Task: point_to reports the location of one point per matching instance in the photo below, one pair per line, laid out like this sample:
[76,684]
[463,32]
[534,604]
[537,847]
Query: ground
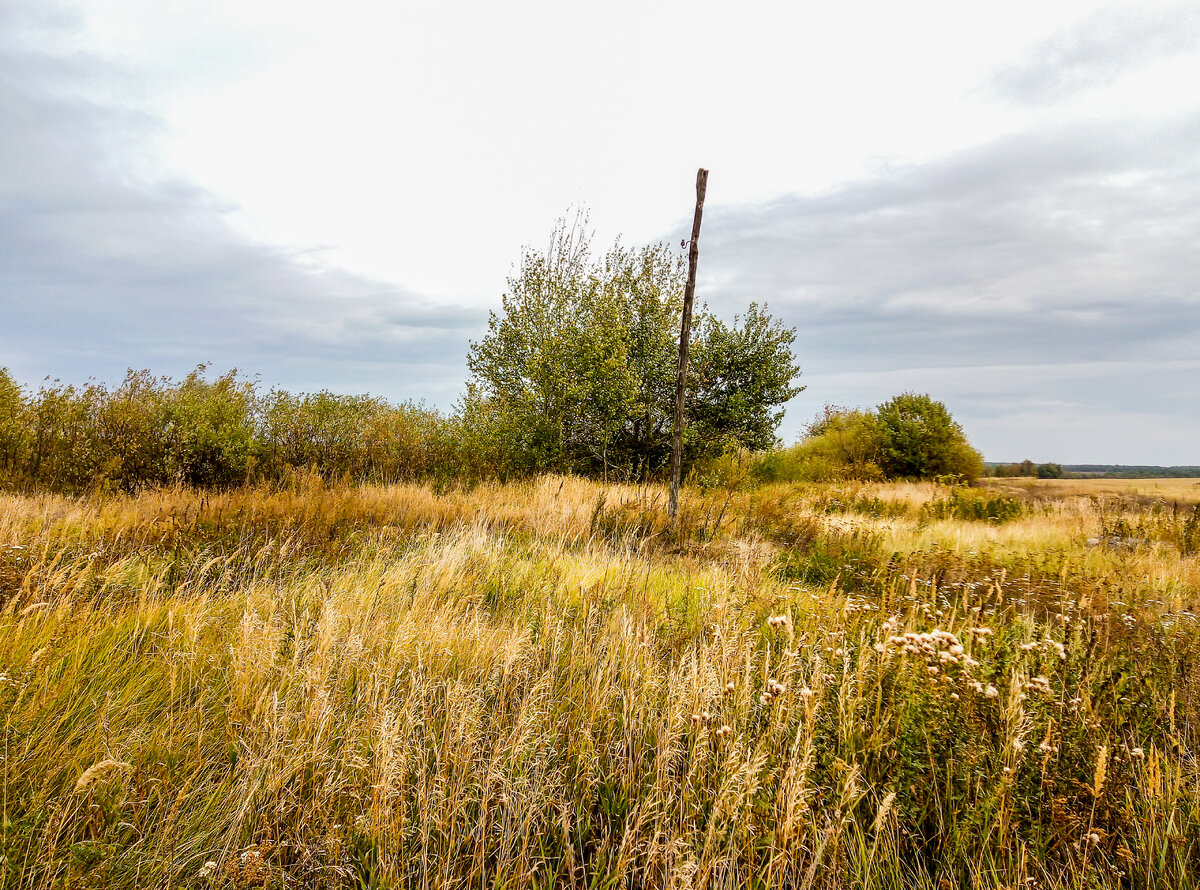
[550,684]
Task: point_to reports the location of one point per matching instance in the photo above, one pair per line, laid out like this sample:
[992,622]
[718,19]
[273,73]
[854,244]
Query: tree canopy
[918,439]
[577,370]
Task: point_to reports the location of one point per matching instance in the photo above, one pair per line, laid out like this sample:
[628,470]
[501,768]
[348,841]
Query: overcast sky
[996,204]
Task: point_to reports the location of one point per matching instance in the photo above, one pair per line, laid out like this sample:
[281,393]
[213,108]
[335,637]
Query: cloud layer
[1050,274]
[1098,51]
[1045,284]
[100,271]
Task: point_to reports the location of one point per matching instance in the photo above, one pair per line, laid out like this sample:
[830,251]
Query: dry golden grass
[1186,491]
[549,684]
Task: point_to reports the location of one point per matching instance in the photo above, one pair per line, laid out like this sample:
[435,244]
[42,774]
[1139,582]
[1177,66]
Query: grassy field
[548,684]
[1185,491]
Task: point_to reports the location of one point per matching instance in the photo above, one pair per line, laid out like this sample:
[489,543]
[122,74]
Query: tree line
[575,374]
[1026,468]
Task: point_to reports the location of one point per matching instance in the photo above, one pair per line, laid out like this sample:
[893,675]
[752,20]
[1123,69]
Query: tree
[576,372]
[739,378]
[918,439]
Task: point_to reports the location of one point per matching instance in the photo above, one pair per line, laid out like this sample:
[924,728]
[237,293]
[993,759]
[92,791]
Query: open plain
[548,684]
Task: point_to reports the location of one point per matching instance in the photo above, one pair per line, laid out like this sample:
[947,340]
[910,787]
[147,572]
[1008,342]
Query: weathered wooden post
[685,332]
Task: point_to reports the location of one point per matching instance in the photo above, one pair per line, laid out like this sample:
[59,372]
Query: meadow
[547,683]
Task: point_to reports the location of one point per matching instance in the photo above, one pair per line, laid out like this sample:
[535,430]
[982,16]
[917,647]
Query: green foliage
[215,433]
[909,437]
[209,433]
[13,423]
[975,506]
[740,376]
[577,371]
[918,439]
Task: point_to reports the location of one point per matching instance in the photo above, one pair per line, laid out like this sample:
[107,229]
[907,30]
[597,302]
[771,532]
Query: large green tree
[577,370]
[918,439]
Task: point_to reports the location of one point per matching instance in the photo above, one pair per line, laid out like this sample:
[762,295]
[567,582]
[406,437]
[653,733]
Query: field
[549,684]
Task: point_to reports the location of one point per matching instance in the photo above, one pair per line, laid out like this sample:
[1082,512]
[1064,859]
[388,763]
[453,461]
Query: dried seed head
[99,770]
[1101,770]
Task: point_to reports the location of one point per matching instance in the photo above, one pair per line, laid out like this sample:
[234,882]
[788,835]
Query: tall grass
[548,684]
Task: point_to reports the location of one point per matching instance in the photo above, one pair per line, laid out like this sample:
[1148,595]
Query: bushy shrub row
[221,431]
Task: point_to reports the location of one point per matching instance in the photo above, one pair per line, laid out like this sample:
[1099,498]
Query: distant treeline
[1088,471]
[1123,471]
[1025,468]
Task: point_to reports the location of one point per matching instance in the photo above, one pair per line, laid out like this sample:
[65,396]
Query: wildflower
[1137,753]
[991,691]
[805,692]
[207,870]
[1018,745]
[729,688]
[697,720]
[956,650]
[764,699]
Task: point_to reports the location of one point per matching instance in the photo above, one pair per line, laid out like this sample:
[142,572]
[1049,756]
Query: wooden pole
[685,333]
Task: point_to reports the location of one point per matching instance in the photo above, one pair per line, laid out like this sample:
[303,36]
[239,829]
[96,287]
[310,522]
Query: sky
[995,204]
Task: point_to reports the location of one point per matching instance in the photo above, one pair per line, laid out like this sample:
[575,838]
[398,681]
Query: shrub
[909,437]
[918,439]
[974,507]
